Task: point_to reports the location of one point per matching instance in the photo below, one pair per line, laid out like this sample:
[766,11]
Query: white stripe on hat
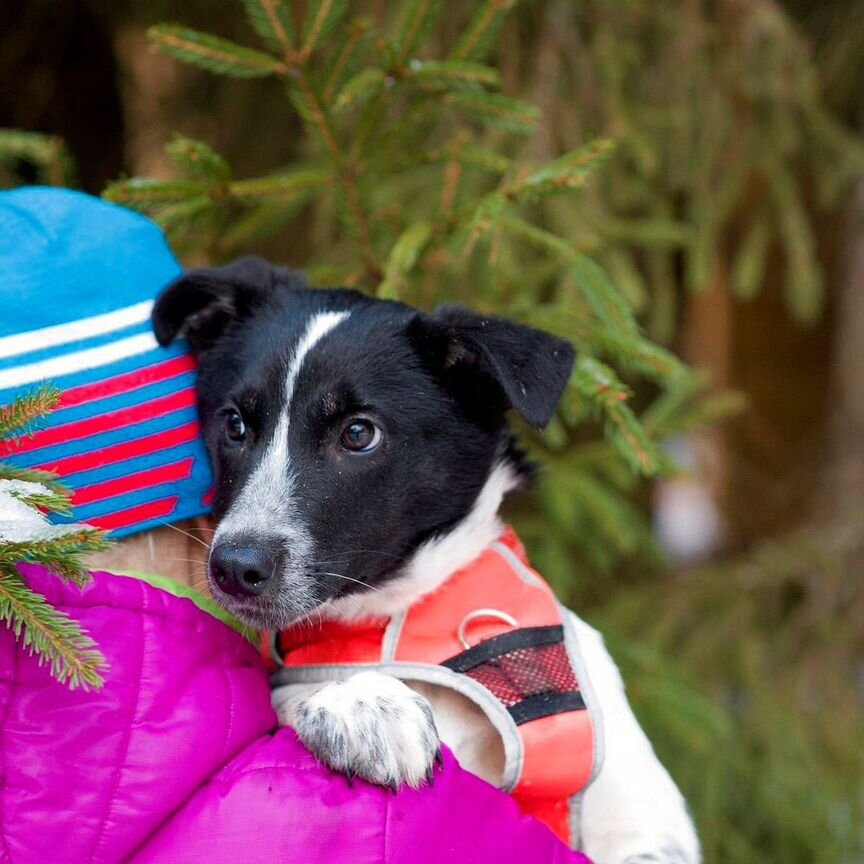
[73,331]
[78,361]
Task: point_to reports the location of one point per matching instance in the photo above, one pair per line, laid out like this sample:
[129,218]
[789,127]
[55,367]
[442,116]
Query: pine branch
[360,89]
[748,268]
[185,216]
[467,155]
[271,20]
[601,387]
[214,54]
[452,73]
[37,496]
[417,19]
[264,219]
[311,107]
[403,256]
[20,418]
[60,552]
[602,297]
[322,16]
[629,350]
[495,109]
[611,513]
[482,30]
[141,193]
[27,536]
[198,160]
[386,217]
[344,58]
[32,475]
[285,184]
[51,635]
[805,284]
[569,172]
[46,153]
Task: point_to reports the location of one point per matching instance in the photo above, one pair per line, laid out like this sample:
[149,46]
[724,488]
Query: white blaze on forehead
[265,505]
[317,328]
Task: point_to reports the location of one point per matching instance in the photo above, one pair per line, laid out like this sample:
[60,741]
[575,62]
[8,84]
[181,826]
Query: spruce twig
[27,537]
[55,638]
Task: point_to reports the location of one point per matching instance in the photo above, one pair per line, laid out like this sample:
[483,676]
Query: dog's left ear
[530,368]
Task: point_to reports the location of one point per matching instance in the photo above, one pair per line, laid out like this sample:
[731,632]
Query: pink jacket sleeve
[177,759]
[274,803]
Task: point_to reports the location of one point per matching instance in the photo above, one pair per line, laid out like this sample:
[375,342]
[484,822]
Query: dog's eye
[361,436]
[235,428]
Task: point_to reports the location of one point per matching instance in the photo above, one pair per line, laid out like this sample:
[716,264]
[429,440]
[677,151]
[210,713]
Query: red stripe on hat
[133,482]
[119,419]
[126,450]
[135,515]
[127,382]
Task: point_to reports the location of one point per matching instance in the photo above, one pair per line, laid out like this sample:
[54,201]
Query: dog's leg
[370,726]
[633,812]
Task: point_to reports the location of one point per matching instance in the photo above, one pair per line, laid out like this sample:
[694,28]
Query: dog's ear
[527,369]
[200,303]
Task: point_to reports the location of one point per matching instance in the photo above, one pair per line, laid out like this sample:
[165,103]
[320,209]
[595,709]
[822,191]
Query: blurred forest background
[653,180]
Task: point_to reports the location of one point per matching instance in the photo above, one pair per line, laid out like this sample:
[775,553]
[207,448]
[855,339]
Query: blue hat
[78,278]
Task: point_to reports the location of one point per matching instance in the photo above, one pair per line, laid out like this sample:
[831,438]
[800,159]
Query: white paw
[371,726]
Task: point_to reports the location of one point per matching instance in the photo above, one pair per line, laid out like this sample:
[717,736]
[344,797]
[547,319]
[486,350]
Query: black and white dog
[362,452]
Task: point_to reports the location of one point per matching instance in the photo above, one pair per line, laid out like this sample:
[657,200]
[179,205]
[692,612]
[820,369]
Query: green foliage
[739,683]
[44,155]
[727,154]
[421,174]
[50,634]
[213,54]
[413,177]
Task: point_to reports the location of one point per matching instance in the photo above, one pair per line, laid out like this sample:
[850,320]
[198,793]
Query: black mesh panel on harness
[527,670]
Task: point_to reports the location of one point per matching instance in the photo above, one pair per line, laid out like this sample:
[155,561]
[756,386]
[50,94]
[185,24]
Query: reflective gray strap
[441,676]
[391,637]
[523,572]
[275,654]
[571,643]
[574,819]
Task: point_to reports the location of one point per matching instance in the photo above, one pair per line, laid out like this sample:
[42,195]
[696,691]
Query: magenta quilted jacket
[176,759]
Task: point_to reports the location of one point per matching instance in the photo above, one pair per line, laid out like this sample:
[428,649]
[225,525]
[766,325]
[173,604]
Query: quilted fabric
[177,759]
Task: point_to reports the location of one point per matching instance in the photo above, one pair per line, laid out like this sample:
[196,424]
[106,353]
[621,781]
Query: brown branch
[346,171]
[269,7]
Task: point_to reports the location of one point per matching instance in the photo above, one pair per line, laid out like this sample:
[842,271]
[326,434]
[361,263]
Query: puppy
[361,452]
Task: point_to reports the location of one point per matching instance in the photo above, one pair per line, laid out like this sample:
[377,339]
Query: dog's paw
[371,726]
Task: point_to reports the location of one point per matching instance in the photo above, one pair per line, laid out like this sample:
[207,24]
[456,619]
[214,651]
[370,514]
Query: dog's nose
[242,571]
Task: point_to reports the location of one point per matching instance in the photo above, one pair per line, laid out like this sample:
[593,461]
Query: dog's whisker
[350,579]
[185,533]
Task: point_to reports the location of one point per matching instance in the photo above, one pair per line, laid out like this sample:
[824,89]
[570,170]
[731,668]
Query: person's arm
[274,802]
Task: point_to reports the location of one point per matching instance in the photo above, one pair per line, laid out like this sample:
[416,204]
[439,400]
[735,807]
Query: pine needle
[50,634]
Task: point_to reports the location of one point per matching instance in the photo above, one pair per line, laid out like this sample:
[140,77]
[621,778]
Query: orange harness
[522,666]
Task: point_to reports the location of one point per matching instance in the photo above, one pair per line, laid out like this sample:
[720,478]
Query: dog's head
[355,441]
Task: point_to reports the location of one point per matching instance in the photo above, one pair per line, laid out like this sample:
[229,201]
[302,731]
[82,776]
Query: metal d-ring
[483,613]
